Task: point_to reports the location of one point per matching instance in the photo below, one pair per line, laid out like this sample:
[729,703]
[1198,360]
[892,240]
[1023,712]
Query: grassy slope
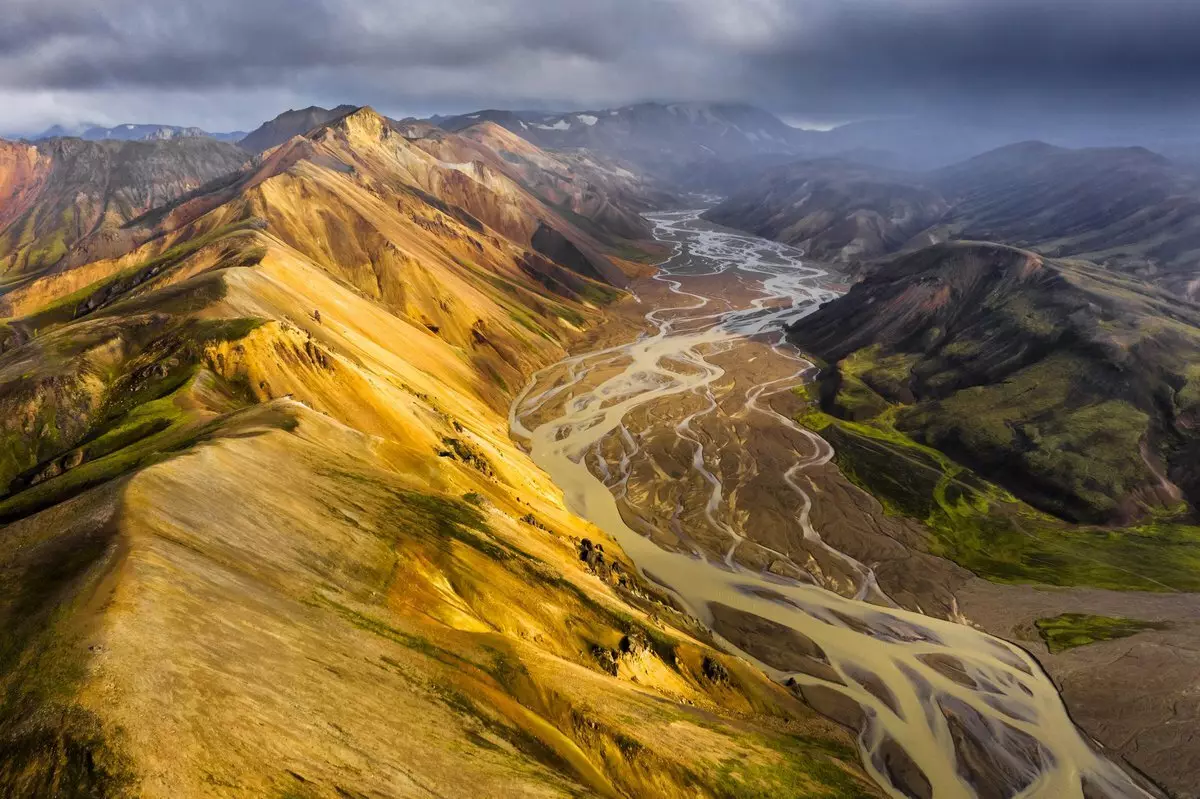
[985,528]
[1041,406]
[1072,630]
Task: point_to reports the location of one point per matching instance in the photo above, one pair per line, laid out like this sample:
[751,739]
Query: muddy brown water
[975,715]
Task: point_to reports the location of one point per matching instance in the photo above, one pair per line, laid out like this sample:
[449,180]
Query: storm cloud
[230,63]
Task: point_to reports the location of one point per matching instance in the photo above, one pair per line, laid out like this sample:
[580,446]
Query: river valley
[681,447]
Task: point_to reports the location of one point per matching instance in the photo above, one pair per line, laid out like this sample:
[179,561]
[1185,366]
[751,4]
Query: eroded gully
[996,703]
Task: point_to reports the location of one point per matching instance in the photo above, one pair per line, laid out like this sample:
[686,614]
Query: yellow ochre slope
[265,533]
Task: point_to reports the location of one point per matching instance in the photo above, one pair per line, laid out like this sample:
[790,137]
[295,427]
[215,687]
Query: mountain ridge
[62,191]
[342,323]
[663,139]
[293,122]
[134,132]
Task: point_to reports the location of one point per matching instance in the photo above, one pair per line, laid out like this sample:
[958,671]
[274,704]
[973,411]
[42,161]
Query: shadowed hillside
[288,124]
[835,210]
[1071,387]
[1127,208]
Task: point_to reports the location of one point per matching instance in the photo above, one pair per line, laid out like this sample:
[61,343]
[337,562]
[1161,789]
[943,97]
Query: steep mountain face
[834,210]
[604,192]
[57,193]
[288,124]
[479,174]
[1074,388]
[1126,207]
[662,139]
[261,464]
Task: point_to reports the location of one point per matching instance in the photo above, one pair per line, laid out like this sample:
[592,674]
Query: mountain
[1072,387]
[604,192]
[134,132]
[63,131]
[260,464]
[61,193]
[1127,208]
[922,144]
[663,139]
[288,124]
[835,210]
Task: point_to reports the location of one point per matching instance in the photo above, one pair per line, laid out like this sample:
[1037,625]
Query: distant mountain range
[1126,207]
[717,146]
[134,132]
[665,139]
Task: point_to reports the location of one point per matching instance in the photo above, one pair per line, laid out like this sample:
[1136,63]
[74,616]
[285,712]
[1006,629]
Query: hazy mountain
[134,132]
[922,143]
[58,192]
[1125,207]
[662,139]
[63,131]
[275,432]
[1076,389]
[288,124]
[835,210]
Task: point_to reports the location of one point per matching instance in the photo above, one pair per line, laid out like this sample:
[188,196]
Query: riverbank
[676,445]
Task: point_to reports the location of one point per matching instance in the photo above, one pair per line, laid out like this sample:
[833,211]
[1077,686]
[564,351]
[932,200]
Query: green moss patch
[1072,456]
[148,433]
[106,291]
[804,768]
[631,252]
[984,528]
[1072,630]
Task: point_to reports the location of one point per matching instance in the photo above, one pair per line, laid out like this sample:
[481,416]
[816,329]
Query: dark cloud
[217,62]
[1129,55]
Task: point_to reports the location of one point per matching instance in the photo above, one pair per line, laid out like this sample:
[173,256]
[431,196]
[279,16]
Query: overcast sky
[230,64]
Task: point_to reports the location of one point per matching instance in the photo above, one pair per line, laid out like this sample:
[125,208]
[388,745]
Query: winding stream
[975,715]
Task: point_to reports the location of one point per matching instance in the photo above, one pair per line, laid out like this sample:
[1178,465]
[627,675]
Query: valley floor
[720,462]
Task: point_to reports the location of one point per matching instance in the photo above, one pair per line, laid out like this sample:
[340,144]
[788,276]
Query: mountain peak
[360,123]
[292,123]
